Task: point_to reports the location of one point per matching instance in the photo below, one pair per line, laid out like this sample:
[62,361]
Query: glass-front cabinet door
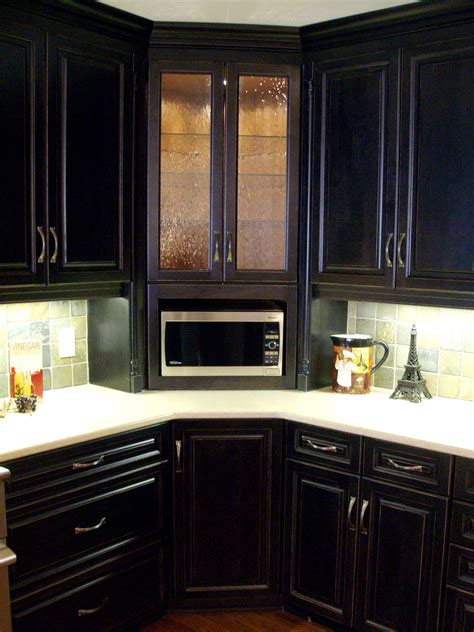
[185,182]
[261,176]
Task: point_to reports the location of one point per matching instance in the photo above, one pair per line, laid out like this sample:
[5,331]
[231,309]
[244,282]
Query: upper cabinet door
[185,171]
[262,154]
[436,235]
[355,161]
[91,162]
[22,229]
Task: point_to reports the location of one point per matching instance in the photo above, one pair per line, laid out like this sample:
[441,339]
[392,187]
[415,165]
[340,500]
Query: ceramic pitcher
[353,362]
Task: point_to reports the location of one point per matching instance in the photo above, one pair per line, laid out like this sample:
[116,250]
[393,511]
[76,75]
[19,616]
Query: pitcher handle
[384,357]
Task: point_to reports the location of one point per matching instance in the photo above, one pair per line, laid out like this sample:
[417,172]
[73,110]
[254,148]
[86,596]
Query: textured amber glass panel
[262,173]
[185,168]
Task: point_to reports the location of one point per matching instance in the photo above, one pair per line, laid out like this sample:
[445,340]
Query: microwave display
[221,343]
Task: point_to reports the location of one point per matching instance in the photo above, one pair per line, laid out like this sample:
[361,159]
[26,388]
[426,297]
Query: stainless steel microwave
[222,343]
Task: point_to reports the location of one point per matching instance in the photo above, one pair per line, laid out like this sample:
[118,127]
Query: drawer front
[340,450]
[464,479]
[462,524]
[461,567]
[69,531]
[414,467]
[459,611]
[45,477]
[101,603]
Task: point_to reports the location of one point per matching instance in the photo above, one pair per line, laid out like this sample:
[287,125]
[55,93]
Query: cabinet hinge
[134,367]
[305,364]
[310,86]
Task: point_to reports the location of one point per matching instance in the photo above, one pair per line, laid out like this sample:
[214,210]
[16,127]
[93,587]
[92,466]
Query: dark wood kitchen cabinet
[223,180]
[227,479]
[87,524]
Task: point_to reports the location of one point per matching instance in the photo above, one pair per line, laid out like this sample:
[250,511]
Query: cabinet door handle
[54,256]
[84,466]
[229,258]
[388,260]
[401,238]
[217,238]
[40,230]
[179,446]
[406,468]
[321,448]
[351,523]
[86,613]
[80,530]
[363,528]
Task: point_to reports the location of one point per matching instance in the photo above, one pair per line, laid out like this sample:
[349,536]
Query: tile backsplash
[445,344]
[21,321]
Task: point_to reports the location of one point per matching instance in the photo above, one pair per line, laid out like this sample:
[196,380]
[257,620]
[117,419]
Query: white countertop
[81,413]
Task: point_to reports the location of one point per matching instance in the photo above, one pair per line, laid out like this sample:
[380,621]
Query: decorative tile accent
[445,344]
[42,321]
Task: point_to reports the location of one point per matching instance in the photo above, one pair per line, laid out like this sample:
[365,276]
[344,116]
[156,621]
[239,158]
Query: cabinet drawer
[464,479]
[69,531]
[102,602]
[329,447]
[459,611]
[75,470]
[462,524]
[414,467]
[461,567]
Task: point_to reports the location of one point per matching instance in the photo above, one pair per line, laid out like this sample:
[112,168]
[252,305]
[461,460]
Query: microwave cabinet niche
[75,225]
[227,478]
[364,552]
[90,530]
[223,181]
[377,223]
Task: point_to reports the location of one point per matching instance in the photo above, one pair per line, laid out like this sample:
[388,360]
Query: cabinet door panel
[261,173]
[356,128]
[227,515]
[320,542]
[401,556]
[459,611]
[21,125]
[91,105]
[185,165]
[438,162]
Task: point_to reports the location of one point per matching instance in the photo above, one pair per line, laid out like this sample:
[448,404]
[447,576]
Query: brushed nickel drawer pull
[407,468]
[229,248]
[179,445]
[321,448]
[352,502]
[84,466]
[56,245]
[86,613]
[401,238]
[217,237]
[363,528]
[43,244]
[79,530]
[388,260]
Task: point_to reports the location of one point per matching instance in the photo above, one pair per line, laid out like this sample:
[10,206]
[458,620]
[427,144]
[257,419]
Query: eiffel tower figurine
[411,386]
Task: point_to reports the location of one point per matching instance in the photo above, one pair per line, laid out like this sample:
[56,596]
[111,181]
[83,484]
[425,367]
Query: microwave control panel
[271,350]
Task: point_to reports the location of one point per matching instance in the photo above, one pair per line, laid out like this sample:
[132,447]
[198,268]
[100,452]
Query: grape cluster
[26,404]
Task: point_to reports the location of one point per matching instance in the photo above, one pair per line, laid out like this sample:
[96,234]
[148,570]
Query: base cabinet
[227,513]
[459,611]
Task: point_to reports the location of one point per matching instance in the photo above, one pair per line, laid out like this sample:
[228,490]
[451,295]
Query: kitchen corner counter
[82,413]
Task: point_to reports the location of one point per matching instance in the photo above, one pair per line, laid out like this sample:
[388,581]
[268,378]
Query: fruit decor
[26,404]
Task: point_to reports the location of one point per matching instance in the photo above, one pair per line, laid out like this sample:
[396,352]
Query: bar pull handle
[350,522]
[54,256]
[40,230]
[320,448]
[406,468]
[388,260]
[230,257]
[87,613]
[84,466]
[363,528]
[401,239]
[80,530]
[179,446]
[217,238]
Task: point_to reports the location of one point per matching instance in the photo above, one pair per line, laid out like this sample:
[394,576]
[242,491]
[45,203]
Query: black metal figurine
[412,385]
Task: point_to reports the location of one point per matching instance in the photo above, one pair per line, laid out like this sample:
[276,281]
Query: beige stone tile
[468,364]
[408,313]
[39,311]
[351,309]
[428,335]
[4,386]
[365,326]
[55,325]
[451,329]
[78,308]
[431,382]
[366,310]
[351,325]
[17,312]
[401,356]
[450,363]
[79,374]
[56,360]
[386,311]
[80,325]
[449,386]
[390,361]
[62,377]
[385,330]
[429,315]
[3,335]
[59,309]
[384,377]
[468,343]
[403,333]
[81,352]
[3,313]
[467,389]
